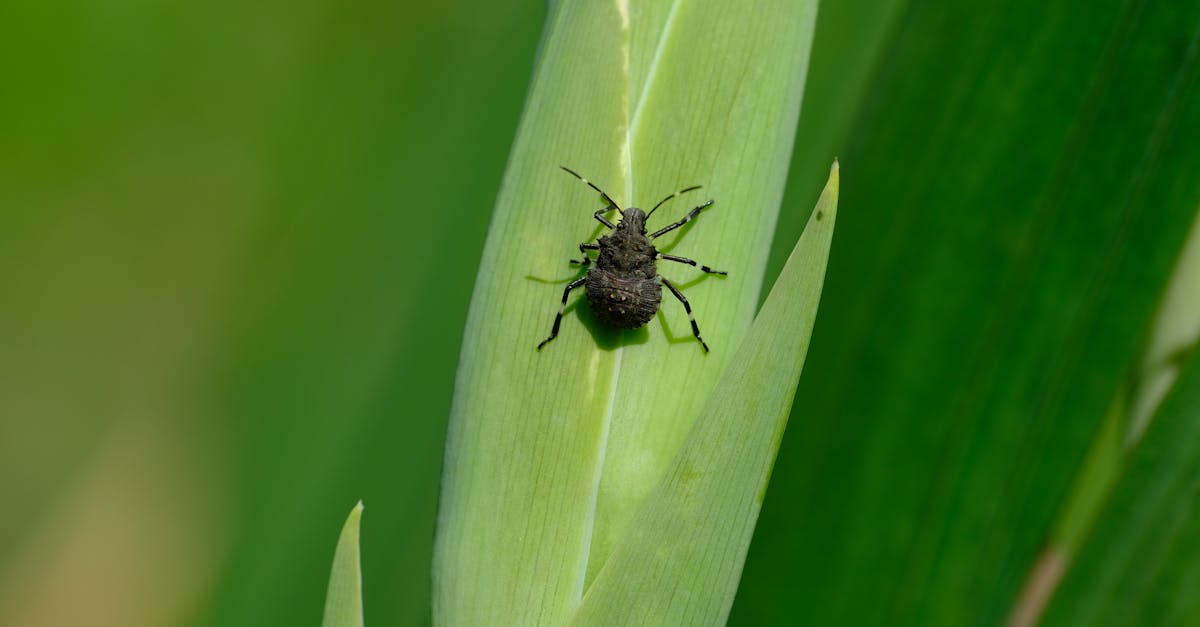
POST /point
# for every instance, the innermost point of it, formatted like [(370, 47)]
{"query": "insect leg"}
[(599, 215), (688, 308), (583, 248), (692, 262), (558, 319), (674, 225)]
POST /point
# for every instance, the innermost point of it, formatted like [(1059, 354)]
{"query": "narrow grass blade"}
[(1176, 331), (343, 601), (680, 561), (549, 454), (1141, 565), (1171, 340)]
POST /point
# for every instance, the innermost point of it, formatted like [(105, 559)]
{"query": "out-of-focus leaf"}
[(1176, 330), (1032, 176), (343, 601), (241, 222), (849, 45), (1172, 338), (681, 559), (1141, 565)]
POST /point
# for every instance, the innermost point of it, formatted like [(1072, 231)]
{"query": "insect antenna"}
[(606, 197), (686, 189)]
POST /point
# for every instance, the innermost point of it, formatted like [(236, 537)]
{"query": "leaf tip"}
[(355, 515), (343, 597), (827, 203)]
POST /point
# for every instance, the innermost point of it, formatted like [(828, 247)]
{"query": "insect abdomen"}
[(622, 303)]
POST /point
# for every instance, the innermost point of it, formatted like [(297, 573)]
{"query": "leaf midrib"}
[(633, 118)]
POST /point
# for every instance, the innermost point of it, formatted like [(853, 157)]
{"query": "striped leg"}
[(688, 308), (599, 215), (674, 225), (692, 262), (583, 248), (558, 319)]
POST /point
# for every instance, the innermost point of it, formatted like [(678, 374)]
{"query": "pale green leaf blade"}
[(550, 453), (523, 441), (721, 96), (343, 601), (681, 559), (1175, 331)]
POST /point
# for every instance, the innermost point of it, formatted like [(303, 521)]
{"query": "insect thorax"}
[(627, 253)]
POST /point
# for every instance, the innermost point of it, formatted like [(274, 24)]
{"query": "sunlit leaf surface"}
[(343, 601), (681, 559), (550, 453)]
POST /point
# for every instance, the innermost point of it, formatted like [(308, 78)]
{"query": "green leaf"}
[(550, 454), (1171, 340), (1141, 565), (1154, 493), (1176, 331), (343, 601), (1032, 178), (682, 558)]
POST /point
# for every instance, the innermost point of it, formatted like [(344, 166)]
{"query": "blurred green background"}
[(237, 244)]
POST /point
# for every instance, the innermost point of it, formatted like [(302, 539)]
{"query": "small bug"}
[(624, 288)]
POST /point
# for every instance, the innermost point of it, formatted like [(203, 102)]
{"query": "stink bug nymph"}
[(624, 288)]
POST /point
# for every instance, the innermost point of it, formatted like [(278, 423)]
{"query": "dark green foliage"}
[(1017, 188), (1142, 563)]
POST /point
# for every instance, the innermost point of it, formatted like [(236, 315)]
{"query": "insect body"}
[(623, 286)]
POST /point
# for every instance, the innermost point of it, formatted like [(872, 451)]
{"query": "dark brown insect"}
[(624, 287)]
